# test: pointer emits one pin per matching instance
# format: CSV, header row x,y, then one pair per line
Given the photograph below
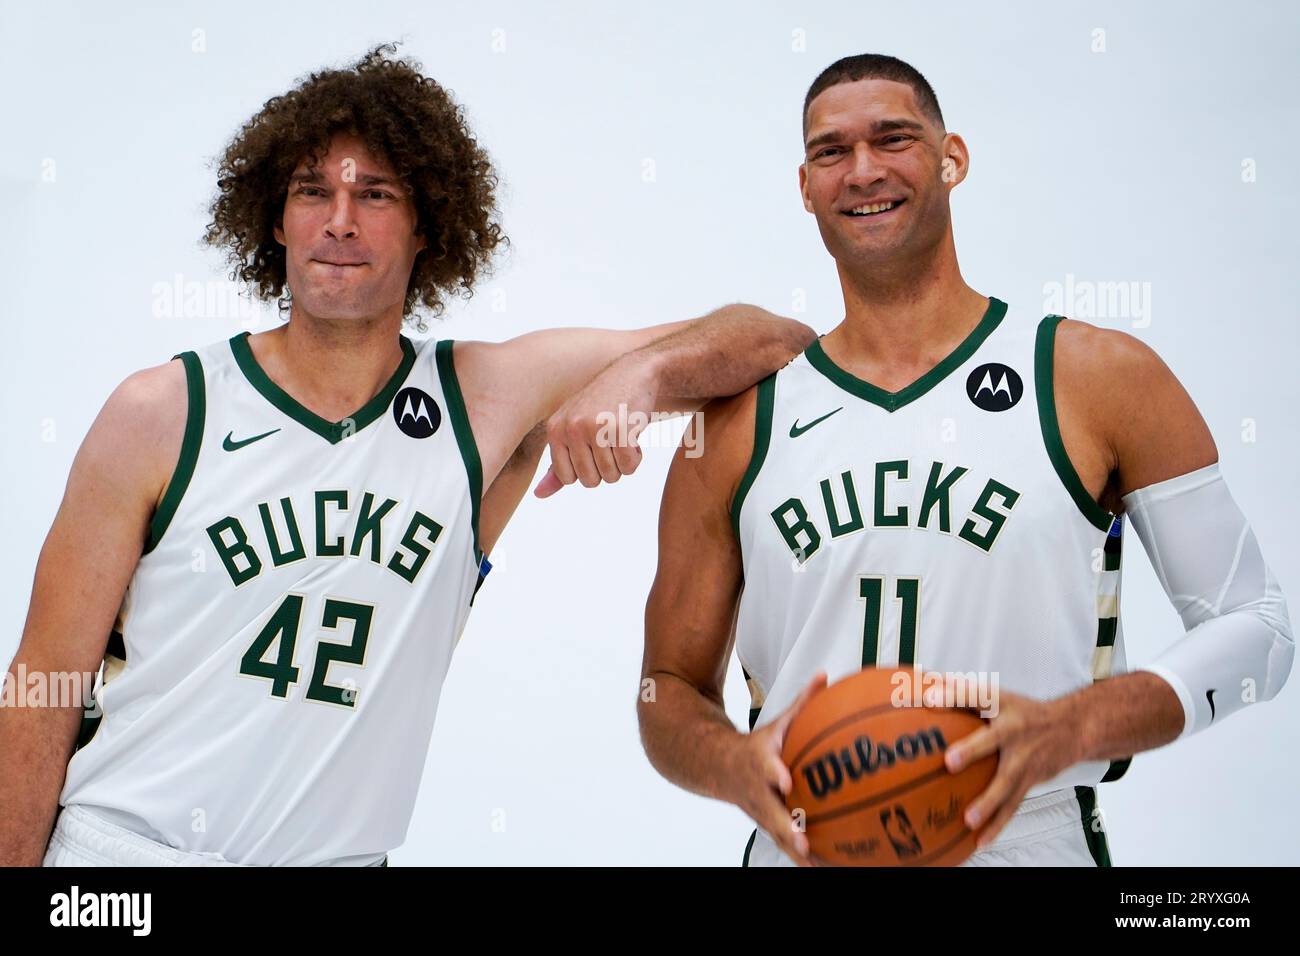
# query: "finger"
x,y
813,686
605,464
561,463
627,457
777,822
549,484
778,775
984,807
973,747
584,466
1000,820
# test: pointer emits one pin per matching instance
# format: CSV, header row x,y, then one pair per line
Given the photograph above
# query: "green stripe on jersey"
x,y
333,432
764,403
1044,351
196,412
464,434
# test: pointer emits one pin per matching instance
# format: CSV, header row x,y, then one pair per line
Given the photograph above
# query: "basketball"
x,y
869,775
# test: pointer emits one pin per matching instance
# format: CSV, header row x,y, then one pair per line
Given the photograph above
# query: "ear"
x,y
956,160
278,231
803,186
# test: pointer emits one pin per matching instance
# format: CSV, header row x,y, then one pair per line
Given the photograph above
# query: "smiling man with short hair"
x,y
938,482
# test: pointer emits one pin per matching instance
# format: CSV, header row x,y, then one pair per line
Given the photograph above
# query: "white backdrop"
x,y
648,155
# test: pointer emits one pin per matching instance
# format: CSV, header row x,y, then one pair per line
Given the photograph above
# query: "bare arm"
x,y
1139,430
688,620
116,481
511,386
1119,440
688,638
1148,432
504,495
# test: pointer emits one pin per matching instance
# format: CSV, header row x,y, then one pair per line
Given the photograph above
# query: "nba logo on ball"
x,y
416,413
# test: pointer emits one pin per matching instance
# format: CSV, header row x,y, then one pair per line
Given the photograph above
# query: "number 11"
x,y
871,588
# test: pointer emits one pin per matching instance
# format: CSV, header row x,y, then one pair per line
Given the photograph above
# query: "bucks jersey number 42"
x,y
281,631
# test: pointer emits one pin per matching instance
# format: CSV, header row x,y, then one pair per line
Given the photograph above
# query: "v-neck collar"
x,y
333,432
891,401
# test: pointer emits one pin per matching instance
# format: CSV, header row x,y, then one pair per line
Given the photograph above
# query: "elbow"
x,y
1272,612
795,336
646,695
1280,658
789,336
647,727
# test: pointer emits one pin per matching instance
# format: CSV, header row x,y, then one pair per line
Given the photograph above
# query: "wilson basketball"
x,y
869,775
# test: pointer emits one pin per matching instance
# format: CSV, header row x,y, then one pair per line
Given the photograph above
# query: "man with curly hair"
x,y
272,543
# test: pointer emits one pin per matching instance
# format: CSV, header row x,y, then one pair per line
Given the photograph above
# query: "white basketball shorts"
x,y
84,838
1058,828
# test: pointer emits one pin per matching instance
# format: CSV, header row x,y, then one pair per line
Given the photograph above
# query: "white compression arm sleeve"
x,y
1238,647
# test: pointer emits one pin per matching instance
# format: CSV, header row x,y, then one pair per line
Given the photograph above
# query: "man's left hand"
x,y
1034,741
593,435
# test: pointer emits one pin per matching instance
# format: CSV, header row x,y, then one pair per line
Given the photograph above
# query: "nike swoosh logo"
x,y
796,429
1209,695
229,445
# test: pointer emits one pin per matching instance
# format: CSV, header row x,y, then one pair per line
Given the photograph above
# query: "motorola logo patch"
x,y
416,413
994,387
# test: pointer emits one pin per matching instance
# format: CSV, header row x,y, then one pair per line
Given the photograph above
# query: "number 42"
x,y
282,627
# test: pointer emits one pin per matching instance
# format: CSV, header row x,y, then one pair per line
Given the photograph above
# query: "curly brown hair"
x,y
403,117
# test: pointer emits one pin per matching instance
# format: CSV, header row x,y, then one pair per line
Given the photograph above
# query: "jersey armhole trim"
x,y
1044,352
464,434
762,439
195,414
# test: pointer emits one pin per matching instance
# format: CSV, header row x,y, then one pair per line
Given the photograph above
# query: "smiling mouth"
x,y
867,210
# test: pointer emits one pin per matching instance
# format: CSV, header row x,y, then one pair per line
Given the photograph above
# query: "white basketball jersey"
x,y
272,681
941,526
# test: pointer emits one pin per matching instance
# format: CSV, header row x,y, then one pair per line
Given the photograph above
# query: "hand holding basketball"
x,y
869,784
758,781
1034,741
